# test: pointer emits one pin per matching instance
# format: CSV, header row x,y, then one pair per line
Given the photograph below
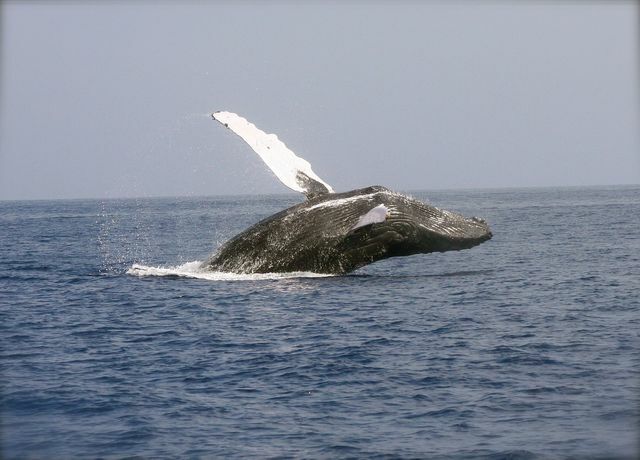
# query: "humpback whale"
x,y
335,233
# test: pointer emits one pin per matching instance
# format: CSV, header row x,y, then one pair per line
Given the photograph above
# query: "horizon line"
x,y
293,193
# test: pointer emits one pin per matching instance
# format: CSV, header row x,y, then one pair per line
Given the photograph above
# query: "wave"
x,y
194,270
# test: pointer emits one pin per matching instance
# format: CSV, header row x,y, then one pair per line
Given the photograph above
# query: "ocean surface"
x,y
113,343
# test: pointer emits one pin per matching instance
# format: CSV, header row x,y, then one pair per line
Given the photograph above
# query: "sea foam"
x,y
194,270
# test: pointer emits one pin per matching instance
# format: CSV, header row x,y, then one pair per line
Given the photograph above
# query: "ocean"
x,y
114,344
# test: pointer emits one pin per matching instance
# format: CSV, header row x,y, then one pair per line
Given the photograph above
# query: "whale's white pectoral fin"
x,y
374,216
293,171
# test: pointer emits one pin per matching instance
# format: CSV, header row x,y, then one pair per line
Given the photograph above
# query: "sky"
x,y
110,99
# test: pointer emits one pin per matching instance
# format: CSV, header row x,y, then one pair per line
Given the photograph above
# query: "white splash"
x,y
194,270
283,162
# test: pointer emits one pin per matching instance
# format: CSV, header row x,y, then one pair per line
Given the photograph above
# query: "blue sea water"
x,y
524,347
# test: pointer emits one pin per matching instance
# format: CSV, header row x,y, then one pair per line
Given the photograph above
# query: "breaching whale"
x,y
335,233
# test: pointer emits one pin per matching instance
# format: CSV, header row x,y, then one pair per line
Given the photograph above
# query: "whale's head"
x,y
398,225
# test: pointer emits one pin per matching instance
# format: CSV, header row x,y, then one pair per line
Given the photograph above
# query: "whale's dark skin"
x,y
318,236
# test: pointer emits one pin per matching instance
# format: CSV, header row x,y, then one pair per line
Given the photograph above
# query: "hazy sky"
x,y
104,99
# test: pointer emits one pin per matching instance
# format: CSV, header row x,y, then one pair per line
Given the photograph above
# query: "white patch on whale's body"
x,y
340,201
374,216
369,196
285,164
